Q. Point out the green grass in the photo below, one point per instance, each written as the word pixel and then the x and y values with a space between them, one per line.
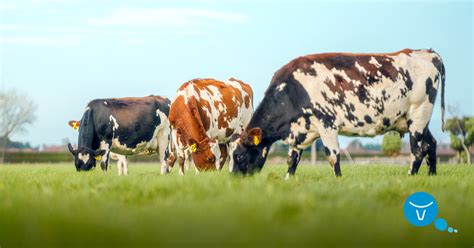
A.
pixel 52 205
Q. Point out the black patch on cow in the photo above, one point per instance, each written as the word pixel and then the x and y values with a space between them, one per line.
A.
pixel 359 124
pixel 430 90
pixel 386 122
pixel 409 122
pixel 307 125
pixel 300 138
pixel 362 94
pixel 408 81
pixel 368 119
pixel 327 151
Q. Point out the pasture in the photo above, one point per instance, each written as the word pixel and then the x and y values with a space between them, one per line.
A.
pixel 52 205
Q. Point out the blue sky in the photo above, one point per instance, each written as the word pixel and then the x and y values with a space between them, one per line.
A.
pixel 66 53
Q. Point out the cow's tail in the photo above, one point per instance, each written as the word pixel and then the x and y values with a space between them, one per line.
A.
pixel 438 63
pixel 443 79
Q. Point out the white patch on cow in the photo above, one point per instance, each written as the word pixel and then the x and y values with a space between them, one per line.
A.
pixel 264 152
pixel 281 86
pixel 360 68
pixel 231 146
pixel 105 102
pixel 214 147
pixel 116 125
pixel 287 176
pixel 83 157
pixel 374 62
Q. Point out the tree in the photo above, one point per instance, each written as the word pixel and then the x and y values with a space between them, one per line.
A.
pixel 462 135
pixel 17 111
pixel 391 144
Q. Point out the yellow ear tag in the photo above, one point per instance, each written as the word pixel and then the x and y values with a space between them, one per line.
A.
pixel 193 147
pixel 75 126
pixel 256 140
pixel 98 158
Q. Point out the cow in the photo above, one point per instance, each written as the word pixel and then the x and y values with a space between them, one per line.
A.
pixel 204 116
pixel 323 95
pixel 124 126
pixel 122 164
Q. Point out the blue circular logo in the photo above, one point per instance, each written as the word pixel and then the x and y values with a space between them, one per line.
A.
pixel 420 209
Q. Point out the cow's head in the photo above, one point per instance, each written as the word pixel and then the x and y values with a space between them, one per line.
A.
pixel 84 158
pixel 205 153
pixel 250 152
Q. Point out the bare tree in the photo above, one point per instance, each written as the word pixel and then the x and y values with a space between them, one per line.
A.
pixel 17 111
pixel 461 128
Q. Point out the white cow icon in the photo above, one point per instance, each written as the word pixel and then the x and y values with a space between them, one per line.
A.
pixel 422 217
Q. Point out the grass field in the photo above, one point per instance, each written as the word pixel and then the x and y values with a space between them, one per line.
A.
pixel 52 205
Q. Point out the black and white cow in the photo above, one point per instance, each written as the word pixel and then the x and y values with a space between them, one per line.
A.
pixel 323 95
pixel 124 126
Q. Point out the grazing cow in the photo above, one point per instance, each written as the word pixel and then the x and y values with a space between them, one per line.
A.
pixel 122 164
pixel 125 126
pixel 323 95
pixel 204 115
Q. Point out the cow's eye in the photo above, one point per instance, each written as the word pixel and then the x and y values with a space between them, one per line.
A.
pixel 210 159
pixel 239 158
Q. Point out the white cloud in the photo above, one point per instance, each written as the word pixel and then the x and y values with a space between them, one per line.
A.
pixel 155 23
pixel 42 40
pixel 43 29
pixel 167 17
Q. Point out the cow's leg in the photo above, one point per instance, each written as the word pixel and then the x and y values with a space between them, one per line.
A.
pixel 331 147
pixel 124 165
pixel 104 161
pixel 122 168
pixel 230 150
pixel 418 120
pixel 431 147
pixel 189 160
pixel 181 159
pixel 294 157
pixel 418 151
pixel 119 166
pixel 163 142
pixel 223 156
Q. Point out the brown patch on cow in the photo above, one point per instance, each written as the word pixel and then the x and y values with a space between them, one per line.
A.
pixel 224 154
pixel 185 121
pixel 229 132
pixel 247 101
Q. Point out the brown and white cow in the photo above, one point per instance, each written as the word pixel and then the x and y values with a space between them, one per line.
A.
pixel 323 95
pixel 204 115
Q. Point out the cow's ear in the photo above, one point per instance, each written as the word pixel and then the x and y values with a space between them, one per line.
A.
pixel 74 124
pixel 254 136
pixel 99 153
pixel 71 149
pixel 193 145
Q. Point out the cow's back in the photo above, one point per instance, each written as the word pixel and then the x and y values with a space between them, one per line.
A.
pixel 130 121
pixel 362 94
